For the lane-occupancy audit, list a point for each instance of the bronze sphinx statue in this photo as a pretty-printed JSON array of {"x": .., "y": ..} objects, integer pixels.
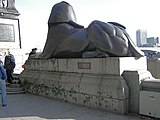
[{"x": 67, "y": 39}]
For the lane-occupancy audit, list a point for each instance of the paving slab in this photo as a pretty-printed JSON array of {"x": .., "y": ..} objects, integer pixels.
[{"x": 33, "y": 107}]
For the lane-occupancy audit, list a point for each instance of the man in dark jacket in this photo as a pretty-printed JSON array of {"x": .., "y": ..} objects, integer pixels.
[{"x": 9, "y": 65}]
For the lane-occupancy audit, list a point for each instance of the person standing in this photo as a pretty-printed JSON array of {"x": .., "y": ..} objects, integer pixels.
[
  {"x": 9, "y": 65},
  {"x": 3, "y": 78},
  {"x": 34, "y": 51}
]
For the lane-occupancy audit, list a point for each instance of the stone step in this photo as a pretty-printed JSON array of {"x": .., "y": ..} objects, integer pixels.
[
  {"x": 15, "y": 91},
  {"x": 16, "y": 82},
  {"x": 16, "y": 77},
  {"x": 15, "y": 88},
  {"x": 14, "y": 85}
]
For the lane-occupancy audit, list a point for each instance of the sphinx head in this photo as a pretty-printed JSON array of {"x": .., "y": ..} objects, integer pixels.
[{"x": 62, "y": 12}]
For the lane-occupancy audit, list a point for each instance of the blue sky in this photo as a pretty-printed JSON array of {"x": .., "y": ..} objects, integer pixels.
[{"x": 134, "y": 14}]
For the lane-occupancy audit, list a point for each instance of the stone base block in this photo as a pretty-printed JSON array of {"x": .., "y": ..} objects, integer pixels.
[{"x": 105, "y": 92}]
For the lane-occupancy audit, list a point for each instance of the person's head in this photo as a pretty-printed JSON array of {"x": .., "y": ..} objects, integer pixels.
[
  {"x": 34, "y": 49},
  {"x": 7, "y": 52}
]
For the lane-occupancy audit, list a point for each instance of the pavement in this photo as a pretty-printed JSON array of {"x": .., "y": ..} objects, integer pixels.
[{"x": 33, "y": 107}]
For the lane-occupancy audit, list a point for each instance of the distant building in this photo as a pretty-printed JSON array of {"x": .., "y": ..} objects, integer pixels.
[
  {"x": 157, "y": 40},
  {"x": 153, "y": 41},
  {"x": 141, "y": 37}
]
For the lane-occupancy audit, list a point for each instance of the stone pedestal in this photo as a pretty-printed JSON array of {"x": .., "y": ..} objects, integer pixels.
[
  {"x": 10, "y": 38},
  {"x": 96, "y": 82}
]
